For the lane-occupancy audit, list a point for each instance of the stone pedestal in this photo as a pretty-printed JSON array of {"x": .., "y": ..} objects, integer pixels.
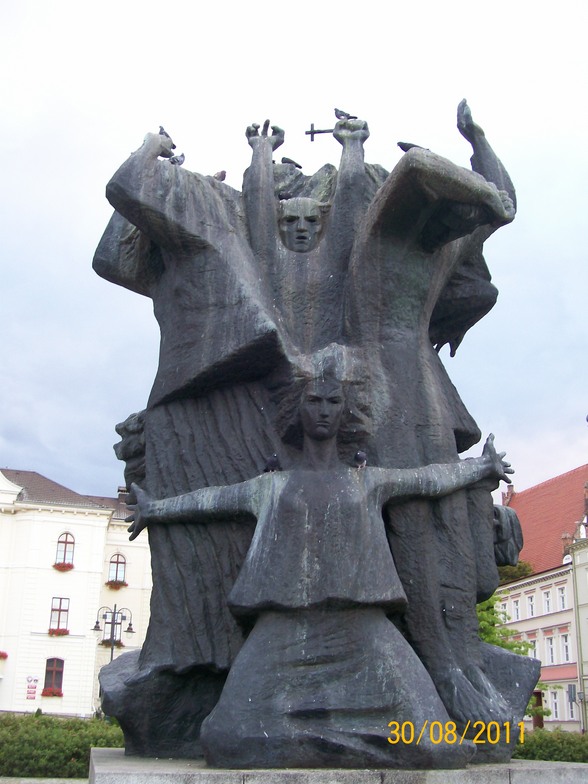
[{"x": 111, "y": 766}]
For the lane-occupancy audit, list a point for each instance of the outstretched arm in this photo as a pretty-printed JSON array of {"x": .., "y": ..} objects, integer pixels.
[
  {"x": 428, "y": 201},
  {"x": 173, "y": 207},
  {"x": 438, "y": 480},
  {"x": 200, "y": 506}
]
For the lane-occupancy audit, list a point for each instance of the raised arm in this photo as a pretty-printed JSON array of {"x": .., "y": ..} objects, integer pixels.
[
  {"x": 258, "y": 190},
  {"x": 438, "y": 480},
  {"x": 352, "y": 192},
  {"x": 484, "y": 160},
  {"x": 200, "y": 506},
  {"x": 175, "y": 208}
]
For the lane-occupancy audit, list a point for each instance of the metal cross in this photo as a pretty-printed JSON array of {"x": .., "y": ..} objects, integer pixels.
[{"x": 312, "y": 133}]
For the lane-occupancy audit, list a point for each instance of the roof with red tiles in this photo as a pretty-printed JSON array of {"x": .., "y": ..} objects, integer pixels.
[
  {"x": 547, "y": 511},
  {"x": 37, "y": 489}
]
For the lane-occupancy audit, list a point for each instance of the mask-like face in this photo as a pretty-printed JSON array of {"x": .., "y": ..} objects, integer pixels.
[
  {"x": 301, "y": 224},
  {"x": 321, "y": 409}
]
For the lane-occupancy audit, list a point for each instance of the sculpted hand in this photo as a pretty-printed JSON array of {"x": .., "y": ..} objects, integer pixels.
[
  {"x": 496, "y": 460},
  {"x": 159, "y": 145},
  {"x": 349, "y": 130},
  {"x": 255, "y": 138},
  {"x": 465, "y": 124},
  {"x": 502, "y": 206},
  {"x": 140, "y": 514}
]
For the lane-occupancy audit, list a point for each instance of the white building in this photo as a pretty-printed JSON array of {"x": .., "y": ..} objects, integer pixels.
[{"x": 63, "y": 556}]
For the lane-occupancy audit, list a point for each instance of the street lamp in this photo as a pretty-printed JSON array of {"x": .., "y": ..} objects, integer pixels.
[{"x": 114, "y": 618}]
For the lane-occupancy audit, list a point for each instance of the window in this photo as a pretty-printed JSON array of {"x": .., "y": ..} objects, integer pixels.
[
  {"x": 117, "y": 569},
  {"x": 113, "y": 626},
  {"x": 530, "y": 606},
  {"x": 504, "y": 608},
  {"x": 65, "y": 549},
  {"x": 561, "y": 597},
  {"x": 547, "y": 601},
  {"x": 565, "y": 648},
  {"x": 549, "y": 651},
  {"x": 554, "y": 705},
  {"x": 516, "y": 610},
  {"x": 54, "y": 675},
  {"x": 59, "y": 613},
  {"x": 571, "y": 710},
  {"x": 532, "y": 652}
]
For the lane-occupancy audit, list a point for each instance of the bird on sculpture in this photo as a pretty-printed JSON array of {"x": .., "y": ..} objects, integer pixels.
[
  {"x": 290, "y": 161},
  {"x": 220, "y": 175},
  {"x": 341, "y": 115},
  {"x": 163, "y": 132},
  {"x": 360, "y": 459},
  {"x": 272, "y": 464},
  {"x": 406, "y": 146},
  {"x": 178, "y": 160}
]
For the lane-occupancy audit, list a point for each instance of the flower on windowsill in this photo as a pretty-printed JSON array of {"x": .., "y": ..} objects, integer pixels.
[
  {"x": 116, "y": 584},
  {"x": 62, "y": 566},
  {"x": 51, "y": 691},
  {"x": 58, "y": 632},
  {"x": 108, "y": 643},
  {"x": 3, "y": 655}
]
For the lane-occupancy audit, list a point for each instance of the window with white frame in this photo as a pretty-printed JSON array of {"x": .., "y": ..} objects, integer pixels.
[
  {"x": 546, "y": 601},
  {"x": 562, "y": 602},
  {"x": 530, "y": 606},
  {"x": 565, "y": 648},
  {"x": 516, "y": 610},
  {"x": 504, "y": 608},
  {"x": 571, "y": 707},
  {"x": 549, "y": 651},
  {"x": 532, "y": 651},
  {"x": 554, "y": 705}
]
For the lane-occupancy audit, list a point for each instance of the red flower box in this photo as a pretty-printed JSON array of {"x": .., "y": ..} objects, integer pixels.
[
  {"x": 107, "y": 643},
  {"x": 63, "y": 567},
  {"x": 3, "y": 655},
  {"x": 115, "y": 585},
  {"x": 57, "y": 632},
  {"x": 50, "y": 691}
]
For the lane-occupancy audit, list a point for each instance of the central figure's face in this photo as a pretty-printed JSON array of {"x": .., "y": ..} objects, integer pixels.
[
  {"x": 321, "y": 409},
  {"x": 301, "y": 224}
]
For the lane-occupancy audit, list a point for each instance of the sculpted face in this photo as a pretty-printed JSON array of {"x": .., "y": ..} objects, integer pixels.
[
  {"x": 321, "y": 409},
  {"x": 300, "y": 223}
]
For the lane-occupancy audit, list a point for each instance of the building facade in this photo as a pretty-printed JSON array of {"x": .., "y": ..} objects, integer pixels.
[
  {"x": 74, "y": 592},
  {"x": 548, "y": 609}
]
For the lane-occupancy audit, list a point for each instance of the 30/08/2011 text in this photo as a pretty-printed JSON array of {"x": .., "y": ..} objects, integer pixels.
[{"x": 481, "y": 732}]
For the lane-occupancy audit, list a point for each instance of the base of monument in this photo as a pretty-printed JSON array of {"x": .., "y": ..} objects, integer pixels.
[{"x": 111, "y": 766}]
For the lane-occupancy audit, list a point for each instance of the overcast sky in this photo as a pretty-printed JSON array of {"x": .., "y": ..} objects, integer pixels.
[{"x": 82, "y": 83}]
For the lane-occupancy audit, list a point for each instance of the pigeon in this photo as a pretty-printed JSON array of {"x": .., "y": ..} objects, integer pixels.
[
  {"x": 406, "y": 146},
  {"x": 178, "y": 160},
  {"x": 341, "y": 115},
  {"x": 163, "y": 132},
  {"x": 290, "y": 161},
  {"x": 272, "y": 464},
  {"x": 360, "y": 459},
  {"x": 220, "y": 175}
]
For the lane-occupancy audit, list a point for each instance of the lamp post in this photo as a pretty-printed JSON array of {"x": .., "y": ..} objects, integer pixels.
[{"x": 113, "y": 617}]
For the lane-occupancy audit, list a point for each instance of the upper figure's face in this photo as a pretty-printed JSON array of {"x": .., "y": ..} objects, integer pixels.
[
  {"x": 321, "y": 409},
  {"x": 300, "y": 223}
]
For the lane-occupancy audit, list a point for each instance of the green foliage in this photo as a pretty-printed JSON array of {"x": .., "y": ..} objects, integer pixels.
[
  {"x": 510, "y": 573},
  {"x": 38, "y": 746},
  {"x": 491, "y": 630},
  {"x": 556, "y": 746}
]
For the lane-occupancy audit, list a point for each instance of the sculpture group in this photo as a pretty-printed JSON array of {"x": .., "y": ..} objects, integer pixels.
[{"x": 318, "y": 547}]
